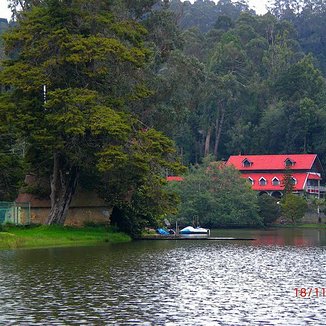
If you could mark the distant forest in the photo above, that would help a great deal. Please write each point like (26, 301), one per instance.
(242, 83)
(226, 81)
(235, 82)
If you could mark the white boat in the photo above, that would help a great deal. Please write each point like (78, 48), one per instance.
(192, 230)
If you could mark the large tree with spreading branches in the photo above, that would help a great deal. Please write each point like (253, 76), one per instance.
(73, 73)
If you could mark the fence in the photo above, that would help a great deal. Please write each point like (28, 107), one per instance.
(15, 213)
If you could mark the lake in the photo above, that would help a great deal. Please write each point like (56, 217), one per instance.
(278, 279)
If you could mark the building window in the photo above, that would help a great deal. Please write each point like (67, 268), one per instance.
(289, 162)
(251, 180)
(293, 181)
(275, 181)
(311, 182)
(246, 163)
(262, 182)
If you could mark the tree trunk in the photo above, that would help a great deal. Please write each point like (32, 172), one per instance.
(63, 185)
(218, 131)
(207, 142)
(216, 138)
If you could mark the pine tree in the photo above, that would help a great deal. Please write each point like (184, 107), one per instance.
(287, 181)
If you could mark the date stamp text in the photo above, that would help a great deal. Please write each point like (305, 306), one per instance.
(310, 292)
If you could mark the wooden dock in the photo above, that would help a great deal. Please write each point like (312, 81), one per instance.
(196, 237)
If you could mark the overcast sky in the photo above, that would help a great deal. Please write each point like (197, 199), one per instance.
(258, 5)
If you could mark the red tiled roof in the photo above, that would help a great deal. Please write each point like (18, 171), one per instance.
(300, 178)
(272, 162)
(313, 176)
(174, 178)
(34, 200)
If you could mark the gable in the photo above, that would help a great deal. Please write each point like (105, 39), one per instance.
(289, 163)
(246, 163)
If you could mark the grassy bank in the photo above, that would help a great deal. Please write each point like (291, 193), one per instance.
(13, 237)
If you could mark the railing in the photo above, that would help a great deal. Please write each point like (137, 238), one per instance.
(315, 189)
(15, 213)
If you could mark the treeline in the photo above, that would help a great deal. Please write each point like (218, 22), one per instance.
(93, 93)
(307, 17)
(247, 85)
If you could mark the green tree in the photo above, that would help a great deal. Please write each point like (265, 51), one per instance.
(287, 181)
(269, 208)
(12, 152)
(300, 80)
(308, 17)
(72, 81)
(11, 170)
(293, 207)
(218, 196)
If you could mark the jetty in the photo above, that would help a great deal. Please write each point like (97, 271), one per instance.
(192, 238)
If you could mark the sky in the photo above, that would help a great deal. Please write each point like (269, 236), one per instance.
(4, 11)
(258, 5)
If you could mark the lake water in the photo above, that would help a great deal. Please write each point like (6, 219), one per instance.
(279, 279)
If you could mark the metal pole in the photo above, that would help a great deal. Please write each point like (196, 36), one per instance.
(318, 208)
(44, 93)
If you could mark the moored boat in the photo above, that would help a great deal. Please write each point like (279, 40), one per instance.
(192, 230)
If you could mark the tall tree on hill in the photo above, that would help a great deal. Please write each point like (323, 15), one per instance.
(228, 68)
(176, 80)
(298, 92)
(76, 71)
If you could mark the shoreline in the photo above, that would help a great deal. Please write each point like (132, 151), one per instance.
(13, 237)
(43, 236)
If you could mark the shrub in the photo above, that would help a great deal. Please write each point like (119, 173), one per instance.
(293, 208)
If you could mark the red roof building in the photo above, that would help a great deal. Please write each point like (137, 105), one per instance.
(266, 172)
(174, 178)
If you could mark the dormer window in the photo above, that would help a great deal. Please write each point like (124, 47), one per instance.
(262, 181)
(251, 180)
(275, 181)
(288, 162)
(246, 163)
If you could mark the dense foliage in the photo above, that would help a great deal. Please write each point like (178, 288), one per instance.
(73, 73)
(269, 209)
(293, 208)
(259, 92)
(216, 196)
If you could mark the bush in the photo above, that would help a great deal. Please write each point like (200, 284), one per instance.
(126, 219)
(293, 208)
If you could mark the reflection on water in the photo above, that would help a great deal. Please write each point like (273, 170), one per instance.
(169, 282)
(279, 237)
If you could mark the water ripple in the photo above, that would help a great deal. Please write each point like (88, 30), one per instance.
(171, 283)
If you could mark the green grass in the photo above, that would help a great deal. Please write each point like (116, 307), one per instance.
(54, 236)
